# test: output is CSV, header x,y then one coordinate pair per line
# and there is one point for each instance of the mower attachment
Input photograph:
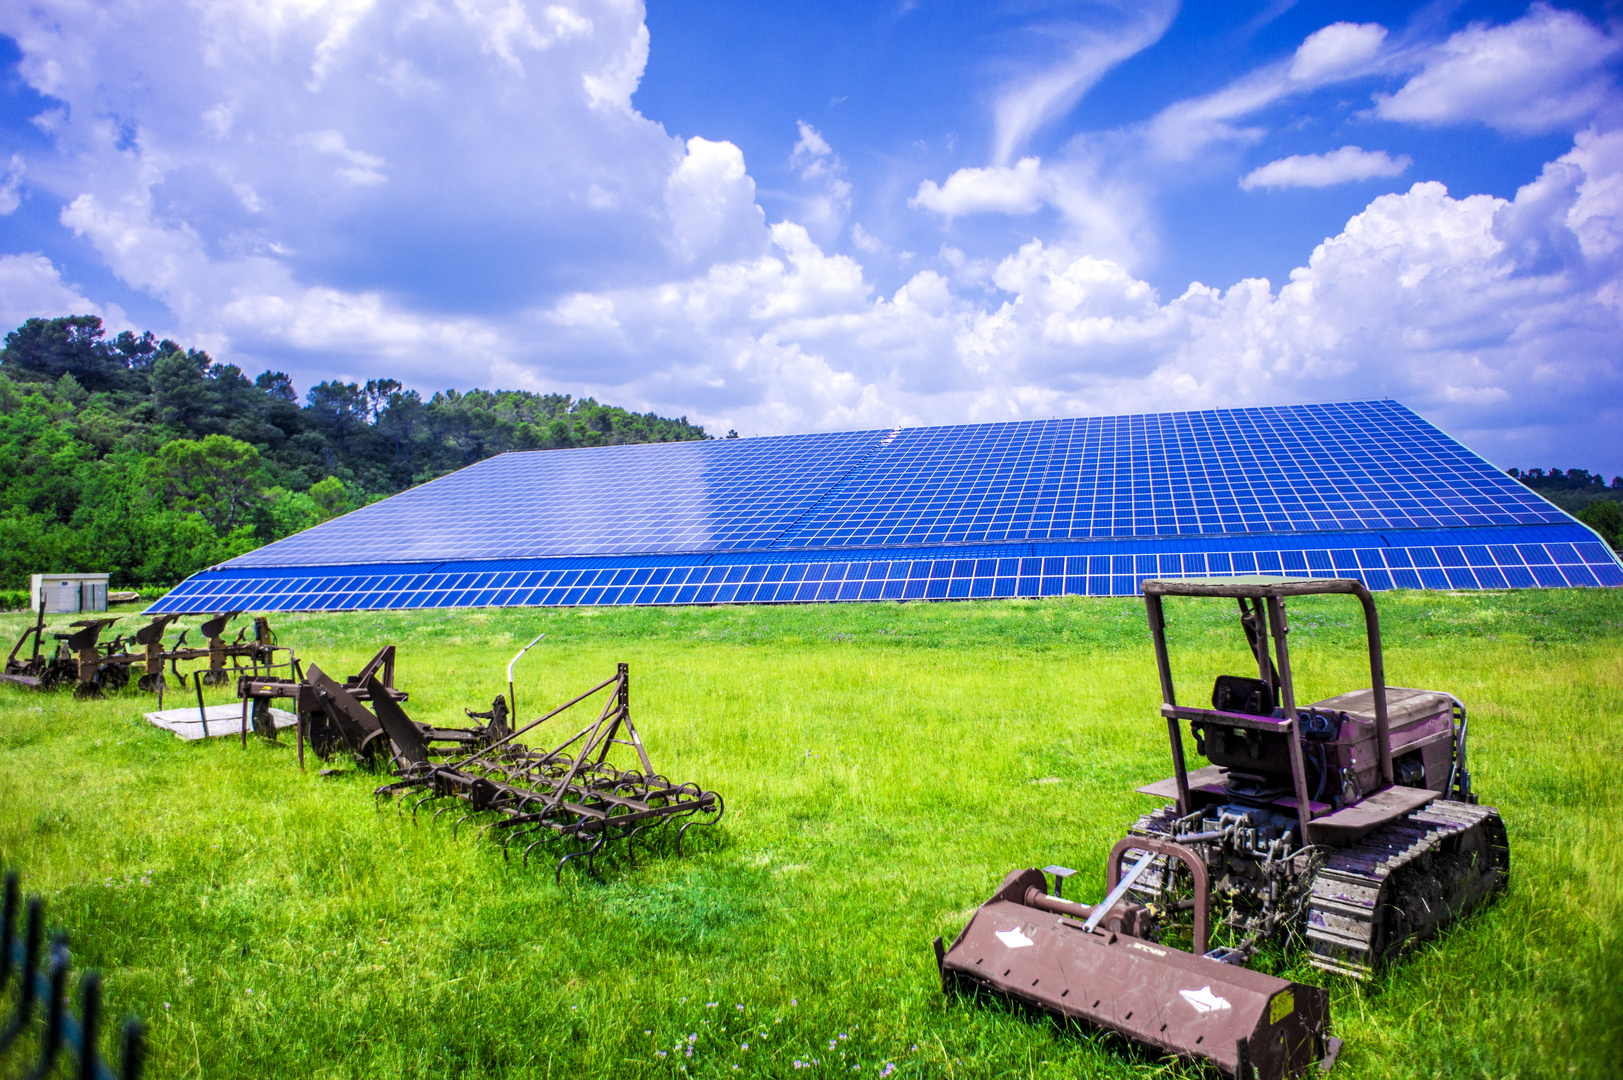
x,y
1036,949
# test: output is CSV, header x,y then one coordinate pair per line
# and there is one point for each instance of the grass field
x,y
883,765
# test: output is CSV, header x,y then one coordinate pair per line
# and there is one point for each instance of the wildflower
x,y
745,1046
710,1005
792,1001
842,1035
740,1006
659,1053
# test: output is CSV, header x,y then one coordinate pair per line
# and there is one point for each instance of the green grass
x,y
884,766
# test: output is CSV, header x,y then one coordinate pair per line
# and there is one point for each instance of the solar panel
x,y
1080,505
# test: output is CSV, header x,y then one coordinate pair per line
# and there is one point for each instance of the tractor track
x,y
1388,889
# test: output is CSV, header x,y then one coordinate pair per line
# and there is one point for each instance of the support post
x,y
1163,664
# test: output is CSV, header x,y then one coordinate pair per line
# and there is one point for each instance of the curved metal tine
x,y
419,802
558,874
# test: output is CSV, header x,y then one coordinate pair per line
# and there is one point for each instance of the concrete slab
x,y
222,720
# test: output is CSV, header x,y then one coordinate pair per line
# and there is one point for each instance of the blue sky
x,y
797,216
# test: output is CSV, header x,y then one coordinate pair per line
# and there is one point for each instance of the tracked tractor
x,y
1346,826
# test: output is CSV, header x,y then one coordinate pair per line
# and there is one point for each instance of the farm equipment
x,y
78,660
31,672
1348,825
572,796
263,685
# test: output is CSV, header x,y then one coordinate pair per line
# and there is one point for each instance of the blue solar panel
x,y
1077,506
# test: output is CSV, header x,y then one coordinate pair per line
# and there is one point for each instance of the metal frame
x,y
1269,594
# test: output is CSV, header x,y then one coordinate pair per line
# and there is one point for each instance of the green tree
x,y
217,478
1606,518
332,497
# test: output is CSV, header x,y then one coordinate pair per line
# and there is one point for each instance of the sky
x,y
791,217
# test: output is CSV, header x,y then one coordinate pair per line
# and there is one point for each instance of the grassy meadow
x,y
883,766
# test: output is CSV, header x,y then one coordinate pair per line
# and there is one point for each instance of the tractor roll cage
x,y
1269,594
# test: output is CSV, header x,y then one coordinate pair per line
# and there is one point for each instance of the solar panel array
x,y
1089,506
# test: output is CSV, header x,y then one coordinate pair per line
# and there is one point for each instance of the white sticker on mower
x,y
1014,939
1204,1000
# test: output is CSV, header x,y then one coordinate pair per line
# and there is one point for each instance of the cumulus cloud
x,y
1547,71
1486,314
1323,170
463,192
32,287
404,154
1000,189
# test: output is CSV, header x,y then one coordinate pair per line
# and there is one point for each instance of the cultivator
x,y
571,801
1348,826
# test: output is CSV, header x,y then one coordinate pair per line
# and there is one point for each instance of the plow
x,y
94,668
1346,829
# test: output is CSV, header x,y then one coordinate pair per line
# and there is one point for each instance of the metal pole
x,y
1287,690
512,698
1163,664
1377,682
202,713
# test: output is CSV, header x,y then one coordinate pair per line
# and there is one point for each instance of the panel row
x,y
1311,468
1552,565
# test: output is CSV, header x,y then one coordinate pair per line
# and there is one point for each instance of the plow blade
x,y
1252,1026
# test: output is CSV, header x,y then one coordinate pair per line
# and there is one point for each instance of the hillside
x,y
151,460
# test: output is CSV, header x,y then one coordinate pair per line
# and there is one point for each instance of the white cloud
x,y
31,287
1492,317
1336,51
823,171
711,200
1087,52
999,189
1331,54
1547,71
865,241
1323,170
11,185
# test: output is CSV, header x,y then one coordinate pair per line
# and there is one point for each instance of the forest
x,y
151,460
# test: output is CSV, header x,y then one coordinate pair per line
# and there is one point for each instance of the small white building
x,y
68,593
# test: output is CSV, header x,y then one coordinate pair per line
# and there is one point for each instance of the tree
x,y
44,350
338,410
216,478
332,497
1606,518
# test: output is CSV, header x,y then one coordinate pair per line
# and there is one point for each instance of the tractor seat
x,y
1403,706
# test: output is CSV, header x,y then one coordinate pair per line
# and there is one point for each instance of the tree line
x,y
1583,494
151,460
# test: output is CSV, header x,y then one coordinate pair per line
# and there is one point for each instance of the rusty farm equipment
x,y
79,659
1348,826
571,801
94,667
291,681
